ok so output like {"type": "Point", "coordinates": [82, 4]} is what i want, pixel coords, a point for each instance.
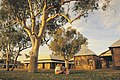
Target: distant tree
{"type": "Point", "coordinates": [38, 16]}
{"type": "Point", "coordinates": [21, 45]}
{"type": "Point", "coordinates": [12, 41]}
{"type": "Point", "coordinates": [66, 43]}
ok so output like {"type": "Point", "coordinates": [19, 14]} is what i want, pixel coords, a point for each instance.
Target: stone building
{"type": "Point", "coordinates": [115, 50]}
{"type": "Point", "coordinates": [106, 59]}
{"type": "Point", "coordinates": [86, 59]}
{"type": "Point", "coordinates": [48, 61]}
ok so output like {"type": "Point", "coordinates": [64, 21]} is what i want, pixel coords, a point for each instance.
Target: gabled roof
{"type": "Point", "coordinates": [106, 53]}
{"type": "Point", "coordinates": [87, 52]}
{"type": "Point", "coordinates": [116, 44]}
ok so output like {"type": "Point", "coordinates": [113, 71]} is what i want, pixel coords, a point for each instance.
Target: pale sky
{"type": "Point", "coordinates": [101, 29]}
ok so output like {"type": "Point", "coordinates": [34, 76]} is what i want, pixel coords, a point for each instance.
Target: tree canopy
{"type": "Point", "coordinates": [66, 43]}
{"type": "Point", "coordinates": [12, 41]}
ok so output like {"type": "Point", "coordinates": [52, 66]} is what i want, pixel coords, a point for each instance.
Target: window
{"type": "Point", "coordinates": [77, 63]}
{"type": "Point", "coordinates": [90, 62]}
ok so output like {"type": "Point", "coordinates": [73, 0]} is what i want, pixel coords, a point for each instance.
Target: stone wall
{"type": "Point", "coordinates": [87, 62]}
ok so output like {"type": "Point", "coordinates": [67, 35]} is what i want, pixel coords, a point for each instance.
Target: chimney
{"type": "Point", "coordinates": [84, 47]}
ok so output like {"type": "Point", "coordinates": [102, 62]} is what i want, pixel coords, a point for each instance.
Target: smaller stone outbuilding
{"type": "Point", "coordinates": [106, 59]}
{"type": "Point", "coordinates": [86, 59]}
{"type": "Point", "coordinates": [115, 50]}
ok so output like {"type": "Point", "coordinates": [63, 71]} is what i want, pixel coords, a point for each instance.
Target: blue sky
{"type": "Point", "coordinates": [101, 29]}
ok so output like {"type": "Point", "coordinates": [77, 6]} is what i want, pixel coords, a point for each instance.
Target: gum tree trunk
{"type": "Point", "coordinates": [34, 56]}
{"type": "Point", "coordinates": [66, 64]}
{"type": "Point", "coordinates": [7, 57]}
{"type": "Point", "coordinates": [7, 62]}
{"type": "Point", "coordinates": [15, 61]}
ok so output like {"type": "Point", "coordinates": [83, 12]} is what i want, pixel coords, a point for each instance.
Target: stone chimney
{"type": "Point", "coordinates": [84, 47]}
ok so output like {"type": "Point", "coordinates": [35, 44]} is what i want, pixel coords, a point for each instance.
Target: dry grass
{"type": "Point", "coordinates": [106, 74]}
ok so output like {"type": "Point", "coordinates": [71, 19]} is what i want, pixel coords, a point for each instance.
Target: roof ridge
{"type": "Point", "coordinates": [87, 52]}
{"type": "Point", "coordinates": [116, 44]}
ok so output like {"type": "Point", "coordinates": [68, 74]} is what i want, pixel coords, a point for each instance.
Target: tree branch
{"type": "Point", "coordinates": [67, 1]}
{"type": "Point", "coordinates": [54, 16]}
{"type": "Point", "coordinates": [32, 16]}
{"type": "Point", "coordinates": [42, 28]}
{"type": "Point", "coordinates": [66, 18]}
{"type": "Point", "coordinates": [79, 16]}
{"type": "Point", "coordinates": [70, 21]}
{"type": "Point", "coordinates": [23, 24]}
{"type": "Point", "coordinates": [50, 7]}
{"type": "Point", "coordinates": [30, 6]}
{"type": "Point", "coordinates": [24, 48]}
{"type": "Point", "coordinates": [37, 13]}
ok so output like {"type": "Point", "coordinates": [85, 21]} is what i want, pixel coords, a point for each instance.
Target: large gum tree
{"type": "Point", "coordinates": [37, 16]}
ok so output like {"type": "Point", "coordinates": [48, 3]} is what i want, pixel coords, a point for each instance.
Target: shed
{"type": "Point", "coordinates": [106, 59]}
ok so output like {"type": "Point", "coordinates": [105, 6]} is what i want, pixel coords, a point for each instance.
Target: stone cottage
{"type": "Point", "coordinates": [86, 59]}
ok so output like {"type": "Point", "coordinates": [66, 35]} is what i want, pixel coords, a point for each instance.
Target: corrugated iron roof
{"type": "Point", "coordinates": [116, 44]}
{"type": "Point", "coordinates": [46, 58]}
{"type": "Point", "coordinates": [49, 56]}
{"type": "Point", "coordinates": [106, 53]}
{"type": "Point", "coordinates": [86, 52]}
